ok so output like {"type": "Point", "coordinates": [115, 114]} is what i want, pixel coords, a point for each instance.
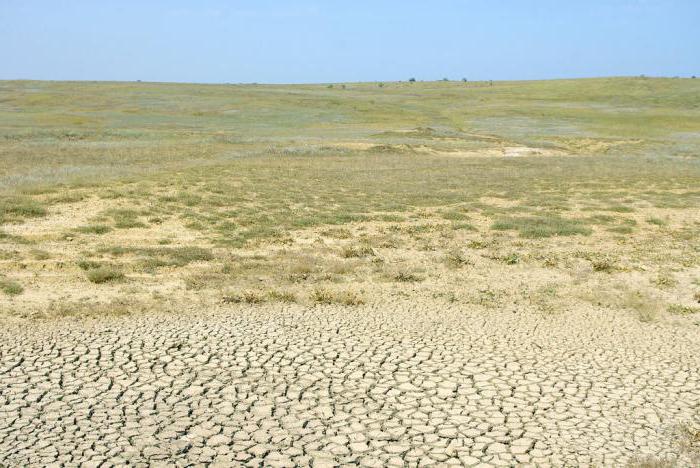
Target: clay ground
{"type": "Point", "coordinates": [407, 274]}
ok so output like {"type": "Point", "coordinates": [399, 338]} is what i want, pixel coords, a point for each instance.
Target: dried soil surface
{"type": "Point", "coordinates": [391, 384]}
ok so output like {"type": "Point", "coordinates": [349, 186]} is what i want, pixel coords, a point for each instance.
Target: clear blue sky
{"type": "Point", "coordinates": [350, 40]}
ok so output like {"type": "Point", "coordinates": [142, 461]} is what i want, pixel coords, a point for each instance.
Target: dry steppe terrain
{"type": "Point", "coordinates": [382, 274]}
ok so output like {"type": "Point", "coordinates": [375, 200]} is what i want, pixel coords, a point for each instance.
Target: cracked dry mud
{"type": "Point", "coordinates": [399, 384]}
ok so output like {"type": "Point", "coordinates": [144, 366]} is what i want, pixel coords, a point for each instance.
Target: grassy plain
{"type": "Point", "coordinates": [536, 196]}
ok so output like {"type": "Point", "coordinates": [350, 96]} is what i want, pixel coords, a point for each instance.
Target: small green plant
{"type": "Point", "coordinates": [511, 259]}
{"type": "Point", "coordinates": [104, 274]}
{"type": "Point", "coordinates": [9, 287]}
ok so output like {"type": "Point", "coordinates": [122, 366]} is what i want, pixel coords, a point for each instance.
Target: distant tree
{"type": "Point", "coordinates": [445, 79]}
{"type": "Point", "coordinates": [693, 77]}
{"type": "Point", "coordinates": [330, 86]}
{"type": "Point", "coordinates": [411, 80]}
{"type": "Point", "coordinates": [465, 80]}
{"type": "Point", "coordinates": [381, 85]}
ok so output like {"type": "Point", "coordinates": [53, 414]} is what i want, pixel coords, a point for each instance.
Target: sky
{"type": "Point", "coordinates": [314, 41]}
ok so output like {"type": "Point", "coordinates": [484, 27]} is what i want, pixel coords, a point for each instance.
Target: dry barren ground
{"type": "Point", "coordinates": [414, 383]}
{"type": "Point", "coordinates": [393, 274]}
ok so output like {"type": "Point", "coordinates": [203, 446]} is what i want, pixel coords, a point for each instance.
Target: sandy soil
{"type": "Point", "coordinates": [392, 384]}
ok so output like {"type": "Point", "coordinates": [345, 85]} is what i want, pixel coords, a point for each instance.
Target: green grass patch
{"type": "Point", "coordinates": [10, 287]}
{"type": "Point", "coordinates": [534, 227]}
{"type": "Point", "coordinates": [13, 209]}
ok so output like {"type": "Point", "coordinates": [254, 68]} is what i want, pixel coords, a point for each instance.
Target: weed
{"type": "Point", "coordinates": [511, 259]}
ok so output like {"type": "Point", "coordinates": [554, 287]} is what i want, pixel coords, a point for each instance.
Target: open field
{"type": "Point", "coordinates": [394, 273]}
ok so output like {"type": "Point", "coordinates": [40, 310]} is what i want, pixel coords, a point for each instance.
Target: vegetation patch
{"type": "Point", "coordinates": [534, 227]}
{"type": "Point", "coordinates": [680, 309]}
{"type": "Point", "coordinates": [104, 274]}
{"type": "Point", "coordinates": [13, 209]}
{"type": "Point", "coordinates": [328, 296]}
{"type": "Point", "coordinates": [94, 229]}
{"type": "Point", "coordinates": [10, 287]}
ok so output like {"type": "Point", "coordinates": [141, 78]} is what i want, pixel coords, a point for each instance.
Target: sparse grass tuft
{"type": "Point", "coordinates": [657, 221]}
{"type": "Point", "coordinates": [10, 287]}
{"type": "Point", "coordinates": [357, 251]}
{"type": "Point", "coordinates": [406, 277]}
{"type": "Point", "coordinates": [603, 264]}
{"type": "Point", "coordinates": [13, 209]}
{"type": "Point", "coordinates": [680, 309]}
{"type": "Point", "coordinates": [534, 227]}
{"type": "Point", "coordinates": [94, 229]}
{"type": "Point", "coordinates": [245, 297]}
{"type": "Point", "coordinates": [456, 259]}
{"type": "Point", "coordinates": [327, 296]}
{"type": "Point", "coordinates": [104, 274]}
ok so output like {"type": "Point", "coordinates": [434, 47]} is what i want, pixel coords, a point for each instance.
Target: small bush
{"type": "Point", "coordinates": [282, 296]}
{"type": "Point", "coordinates": [88, 264]}
{"type": "Point", "coordinates": [104, 274]}
{"type": "Point", "coordinates": [603, 265]}
{"type": "Point", "coordinates": [456, 259]}
{"type": "Point", "coordinates": [511, 259]}
{"type": "Point", "coordinates": [357, 251]}
{"type": "Point", "coordinates": [9, 287]}
{"type": "Point", "coordinates": [666, 281]}
{"type": "Point", "coordinates": [326, 296]}
{"type": "Point", "coordinates": [245, 297]}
